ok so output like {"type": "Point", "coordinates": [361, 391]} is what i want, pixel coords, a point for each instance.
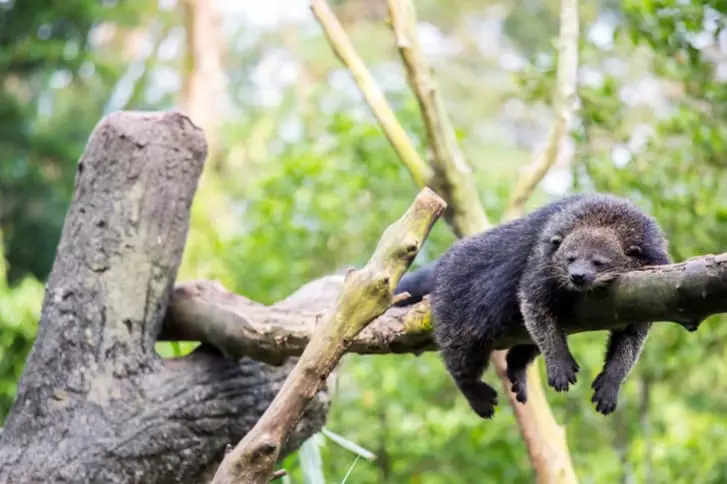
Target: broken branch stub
{"type": "Point", "coordinates": [95, 402]}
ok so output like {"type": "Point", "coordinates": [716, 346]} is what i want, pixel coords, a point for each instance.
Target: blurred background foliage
{"type": "Point", "coordinates": [302, 182]}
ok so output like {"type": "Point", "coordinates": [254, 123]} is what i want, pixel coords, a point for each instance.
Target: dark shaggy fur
{"type": "Point", "coordinates": [417, 283]}
{"type": "Point", "coordinates": [530, 271]}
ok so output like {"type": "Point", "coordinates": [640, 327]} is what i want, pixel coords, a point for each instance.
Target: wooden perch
{"type": "Point", "coordinates": [364, 295]}
{"type": "Point", "coordinates": [95, 403]}
{"type": "Point", "coordinates": [684, 293]}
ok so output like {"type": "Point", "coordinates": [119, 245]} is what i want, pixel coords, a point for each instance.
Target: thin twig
{"type": "Point", "coordinates": [564, 106]}
{"type": "Point", "coordinates": [420, 172]}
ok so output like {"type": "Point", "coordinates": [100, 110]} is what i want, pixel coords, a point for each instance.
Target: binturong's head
{"type": "Point", "coordinates": [589, 257]}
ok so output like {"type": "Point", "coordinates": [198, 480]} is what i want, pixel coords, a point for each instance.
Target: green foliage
{"type": "Point", "coordinates": [47, 64]}
{"type": "Point", "coordinates": [19, 312]}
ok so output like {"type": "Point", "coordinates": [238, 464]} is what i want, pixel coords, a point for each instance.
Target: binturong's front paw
{"type": "Point", "coordinates": [606, 393]}
{"type": "Point", "coordinates": [561, 373]}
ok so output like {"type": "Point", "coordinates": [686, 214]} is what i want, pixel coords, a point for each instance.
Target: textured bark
{"type": "Point", "coordinates": [684, 293]}
{"type": "Point", "coordinates": [95, 403]}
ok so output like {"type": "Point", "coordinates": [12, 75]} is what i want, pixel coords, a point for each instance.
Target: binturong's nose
{"type": "Point", "coordinates": [577, 278]}
{"type": "Point", "coordinates": [580, 274]}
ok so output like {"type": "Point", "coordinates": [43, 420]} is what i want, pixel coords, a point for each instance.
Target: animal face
{"type": "Point", "coordinates": [588, 258]}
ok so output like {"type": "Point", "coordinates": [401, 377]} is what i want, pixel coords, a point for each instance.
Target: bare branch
{"type": "Point", "coordinates": [365, 294]}
{"type": "Point", "coordinates": [564, 102]}
{"type": "Point", "coordinates": [420, 172]}
{"type": "Point", "coordinates": [453, 174]}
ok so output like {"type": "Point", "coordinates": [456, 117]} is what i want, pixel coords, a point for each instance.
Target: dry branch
{"type": "Point", "coordinates": [564, 102]}
{"type": "Point", "coordinates": [420, 172]}
{"type": "Point", "coordinates": [453, 174]}
{"type": "Point", "coordinates": [365, 294]}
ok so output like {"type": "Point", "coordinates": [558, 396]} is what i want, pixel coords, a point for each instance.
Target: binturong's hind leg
{"type": "Point", "coordinates": [466, 362]}
{"type": "Point", "coordinates": [518, 358]}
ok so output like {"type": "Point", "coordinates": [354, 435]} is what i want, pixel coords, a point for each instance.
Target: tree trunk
{"type": "Point", "coordinates": [95, 402]}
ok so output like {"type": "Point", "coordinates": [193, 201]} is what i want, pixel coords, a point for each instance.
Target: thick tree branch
{"type": "Point", "coordinates": [95, 403]}
{"type": "Point", "coordinates": [684, 293]}
{"type": "Point", "coordinates": [365, 294]}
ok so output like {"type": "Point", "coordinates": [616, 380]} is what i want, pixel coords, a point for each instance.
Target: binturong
{"type": "Point", "coordinates": [531, 271]}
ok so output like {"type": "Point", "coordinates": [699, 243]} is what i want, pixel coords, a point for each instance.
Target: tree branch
{"type": "Point", "coordinates": [365, 294]}
{"type": "Point", "coordinates": [564, 102]}
{"type": "Point", "coordinates": [420, 172]}
{"type": "Point", "coordinates": [684, 293]}
{"type": "Point", "coordinates": [453, 174]}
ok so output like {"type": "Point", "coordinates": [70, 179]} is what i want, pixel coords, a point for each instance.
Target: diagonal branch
{"type": "Point", "coordinates": [365, 294]}
{"type": "Point", "coordinates": [420, 172]}
{"type": "Point", "coordinates": [453, 174]}
{"type": "Point", "coordinates": [564, 102]}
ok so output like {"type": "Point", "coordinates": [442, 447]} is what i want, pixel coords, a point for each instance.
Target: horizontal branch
{"type": "Point", "coordinates": [684, 293]}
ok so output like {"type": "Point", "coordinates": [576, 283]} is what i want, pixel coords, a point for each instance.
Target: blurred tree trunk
{"type": "Point", "coordinates": [203, 94]}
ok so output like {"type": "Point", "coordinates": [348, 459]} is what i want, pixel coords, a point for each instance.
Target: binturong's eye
{"type": "Point", "coordinates": [633, 251]}
{"type": "Point", "coordinates": [556, 240]}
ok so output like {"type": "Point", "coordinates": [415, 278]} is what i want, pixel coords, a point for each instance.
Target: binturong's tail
{"type": "Point", "coordinates": [417, 283]}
